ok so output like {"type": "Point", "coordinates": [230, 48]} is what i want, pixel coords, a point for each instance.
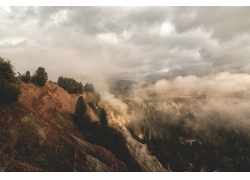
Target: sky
{"type": "Point", "coordinates": [144, 44]}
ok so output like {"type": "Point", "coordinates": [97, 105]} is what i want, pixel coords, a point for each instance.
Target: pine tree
{"type": "Point", "coordinates": [103, 117]}
{"type": "Point", "coordinates": [40, 77]}
{"type": "Point", "coordinates": [80, 110]}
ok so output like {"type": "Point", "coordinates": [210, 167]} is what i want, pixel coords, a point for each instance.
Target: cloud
{"type": "Point", "coordinates": [109, 38]}
{"type": "Point", "coordinates": [140, 43]}
{"type": "Point", "coordinates": [223, 22]}
{"type": "Point", "coordinates": [222, 84]}
{"type": "Point", "coordinates": [222, 98]}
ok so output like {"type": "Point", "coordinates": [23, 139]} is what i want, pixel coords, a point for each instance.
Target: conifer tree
{"type": "Point", "coordinates": [103, 117]}
{"type": "Point", "coordinates": [80, 110]}
{"type": "Point", "coordinates": [89, 88]}
{"type": "Point", "coordinates": [40, 77]}
{"type": "Point", "coordinates": [70, 85]}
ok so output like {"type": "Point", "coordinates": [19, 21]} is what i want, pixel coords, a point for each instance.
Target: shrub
{"type": "Point", "coordinates": [26, 78]}
{"type": "Point", "coordinates": [9, 93]}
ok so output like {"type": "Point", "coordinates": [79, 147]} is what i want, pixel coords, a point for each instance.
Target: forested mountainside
{"type": "Point", "coordinates": [186, 133]}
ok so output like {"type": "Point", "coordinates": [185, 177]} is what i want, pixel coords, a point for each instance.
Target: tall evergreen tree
{"type": "Point", "coordinates": [103, 117]}
{"type": "Point", "coordinates": [80, 110]}
{"type": "Point", "coordinates": [40, 77]}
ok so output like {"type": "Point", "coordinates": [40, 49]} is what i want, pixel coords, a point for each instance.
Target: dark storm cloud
{"type": "Point", "coordinates": [141, 43]}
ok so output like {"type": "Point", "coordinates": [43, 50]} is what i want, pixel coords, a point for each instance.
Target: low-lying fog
{"type": "Point", "coordinates": [222, 98]}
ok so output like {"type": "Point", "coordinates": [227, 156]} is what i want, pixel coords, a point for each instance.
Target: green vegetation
{"type": "Point", "coordinates": [9, 91]}
{"type": "Point", "coordinates": [70, 85]}
{"type": "Point", "coordinates": [26, 77]}
{"type": "Point", "coordinates": [7, 70]}
{"type": "Point", "coordinates": [65, 123]}
{"type": "Point", "coordinates": [40, 77]}
{"type": "Point", "coordinates": [31, 150]}
{"type": "Point", "coordinates": [89, 88]}
{"type": "Point", "coordinates": [80, 115]}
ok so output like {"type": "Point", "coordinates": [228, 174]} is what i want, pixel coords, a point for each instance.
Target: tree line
{"type": "Point", "coordinates": [9, 88]}
{"type": "Point", "coordinates": [10, 91]}
{"type": "Point", "coordinates": [70, 85]}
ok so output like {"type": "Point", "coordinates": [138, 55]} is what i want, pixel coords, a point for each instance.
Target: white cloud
{"type": "Point", "coordinates": [11, 41]}
{"type": "Point", "coordinates": [126, 35]}
{"type": "Point", "coordinates": [6, 9]}
{"type": "Point", "coordinates": [167, 29]}
{"type": "Point", "coordinates": [59, 17]}
{"type": "Point", "coordinates": [109, 38]}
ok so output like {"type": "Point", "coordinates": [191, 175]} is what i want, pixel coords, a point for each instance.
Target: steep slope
{"type": "Point", "coordinates": [138, 150]}
{"type": "Point", "coordinates": [37, 134]}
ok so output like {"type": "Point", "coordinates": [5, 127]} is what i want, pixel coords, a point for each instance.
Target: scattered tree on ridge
{"type": "Point", "coordinates": [40, 77]}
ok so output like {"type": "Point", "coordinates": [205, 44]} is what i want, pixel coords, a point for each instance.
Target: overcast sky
{"type": "Point", "coordinates": [140, 43]}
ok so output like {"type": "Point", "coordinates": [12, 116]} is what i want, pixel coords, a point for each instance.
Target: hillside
{"type": "Point", "coordinates": [38, 134]}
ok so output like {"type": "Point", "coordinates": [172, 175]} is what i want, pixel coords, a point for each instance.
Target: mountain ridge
{"type": "Point", "coordinates": [38, 134]}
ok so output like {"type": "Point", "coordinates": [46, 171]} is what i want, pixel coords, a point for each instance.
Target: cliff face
{"type": "Point", "coordinates": [37, 134]}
